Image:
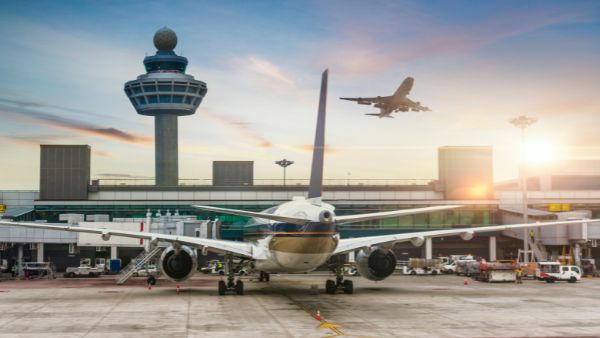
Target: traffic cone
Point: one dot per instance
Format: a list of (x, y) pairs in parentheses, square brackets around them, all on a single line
[(177, 288), (318, 316), (466, 282), (149, 286)]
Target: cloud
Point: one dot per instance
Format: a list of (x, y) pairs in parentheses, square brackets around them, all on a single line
[(264, 68), (79, 127), (241, 128), (309, 148), (37, 140), (34, 104)]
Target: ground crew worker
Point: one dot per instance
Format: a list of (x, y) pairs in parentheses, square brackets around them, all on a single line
[(13, 270), (219, 266), (532, 235), (519, 274)]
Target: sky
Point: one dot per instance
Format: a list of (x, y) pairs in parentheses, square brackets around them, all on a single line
[(476, 64)]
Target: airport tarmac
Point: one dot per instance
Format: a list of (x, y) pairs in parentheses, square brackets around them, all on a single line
[(400, 306)]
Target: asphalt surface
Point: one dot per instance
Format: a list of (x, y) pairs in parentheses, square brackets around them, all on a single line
[(400, 306)]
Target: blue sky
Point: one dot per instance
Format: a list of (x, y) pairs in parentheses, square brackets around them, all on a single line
[(476, 64)]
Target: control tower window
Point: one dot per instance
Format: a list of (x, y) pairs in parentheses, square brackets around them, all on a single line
[(192, 89), (128, 92), (149, 88), (179, 88), (164, 98), (136, 90), (164, 88), (152, 99), (141, 100), (188, 100), (177, 98)]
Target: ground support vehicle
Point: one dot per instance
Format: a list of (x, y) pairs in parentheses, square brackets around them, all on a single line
[(461, 266), (422, 266), (83, 271), (148, 270), (498, 271), (33, 270), (553, 271), (449, 268), (214, 267)]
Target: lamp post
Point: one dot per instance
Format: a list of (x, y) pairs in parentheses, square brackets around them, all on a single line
[(523, 122), (284, 164)]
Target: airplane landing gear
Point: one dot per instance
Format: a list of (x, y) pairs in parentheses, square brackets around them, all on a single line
[(264, 277), (340, 283), (237, 286)]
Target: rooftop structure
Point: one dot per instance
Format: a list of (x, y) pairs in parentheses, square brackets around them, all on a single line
[(165, 92)]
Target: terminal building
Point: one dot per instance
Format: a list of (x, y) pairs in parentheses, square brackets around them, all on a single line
[(465, 177)]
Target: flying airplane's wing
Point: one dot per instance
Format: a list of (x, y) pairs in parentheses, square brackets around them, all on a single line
[(263, 215), (393, 213), (215, 245), (350, 244), (415, 106), (367, 100)]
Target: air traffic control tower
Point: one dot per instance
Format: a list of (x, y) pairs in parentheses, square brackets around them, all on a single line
[(165, 92)]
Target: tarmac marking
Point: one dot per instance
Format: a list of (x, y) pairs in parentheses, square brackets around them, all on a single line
[(324, 323)]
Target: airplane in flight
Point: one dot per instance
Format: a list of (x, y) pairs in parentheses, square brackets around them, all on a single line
[(296, 236), (389, 104)]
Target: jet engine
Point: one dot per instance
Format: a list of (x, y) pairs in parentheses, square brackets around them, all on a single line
[(179, 263), (326, 217), (376, 264)]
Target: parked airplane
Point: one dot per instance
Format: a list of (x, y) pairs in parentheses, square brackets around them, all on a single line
[(296, 236), (389, 104)]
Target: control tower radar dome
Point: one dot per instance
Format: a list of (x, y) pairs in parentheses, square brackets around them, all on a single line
[(165, 39), (165, 92)]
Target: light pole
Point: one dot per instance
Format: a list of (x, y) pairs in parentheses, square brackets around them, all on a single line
[(523, 122), (284, 164)]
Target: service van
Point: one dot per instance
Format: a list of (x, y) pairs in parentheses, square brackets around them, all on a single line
[(553, 271)]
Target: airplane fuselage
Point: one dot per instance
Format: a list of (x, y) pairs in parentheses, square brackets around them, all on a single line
[(287, 247)]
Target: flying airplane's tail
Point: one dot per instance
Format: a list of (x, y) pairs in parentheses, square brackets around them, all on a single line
[(405, 87), (315, 189)]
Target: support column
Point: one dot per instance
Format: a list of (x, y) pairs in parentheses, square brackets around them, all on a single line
[(113, 252), (492, 248), (428, 248), (40, 252), (20, 260), (166, 150)]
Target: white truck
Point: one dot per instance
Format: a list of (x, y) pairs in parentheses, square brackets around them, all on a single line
[(553, 271), (83, 271)]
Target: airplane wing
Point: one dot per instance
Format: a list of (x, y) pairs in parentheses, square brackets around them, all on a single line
[(414, 106), (367, 100), (216, 245), (262, 215), (394, 213), (351, 244)]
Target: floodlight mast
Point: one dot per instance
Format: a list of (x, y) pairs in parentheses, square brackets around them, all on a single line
[(523, 122), (284, 164)]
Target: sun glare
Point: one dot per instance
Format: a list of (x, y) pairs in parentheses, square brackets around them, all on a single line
[(540, 152)]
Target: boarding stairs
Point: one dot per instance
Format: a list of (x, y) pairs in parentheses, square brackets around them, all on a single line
[(137, 263), (539, 250)]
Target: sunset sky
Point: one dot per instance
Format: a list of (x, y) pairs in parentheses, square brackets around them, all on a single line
[(476, 64)]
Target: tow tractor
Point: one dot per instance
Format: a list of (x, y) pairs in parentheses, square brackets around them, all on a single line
[(553, 271)]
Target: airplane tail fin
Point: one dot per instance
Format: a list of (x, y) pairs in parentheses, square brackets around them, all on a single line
[(315, 189)]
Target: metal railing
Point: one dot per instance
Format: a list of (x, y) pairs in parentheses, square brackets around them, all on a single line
[(267, 182)]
